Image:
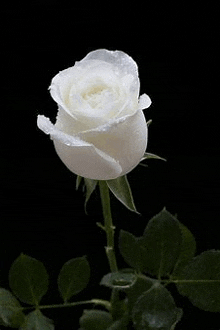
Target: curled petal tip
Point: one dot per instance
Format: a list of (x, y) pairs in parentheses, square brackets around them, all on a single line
[(144, 101)]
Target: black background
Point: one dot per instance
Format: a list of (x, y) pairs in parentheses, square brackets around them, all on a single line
[(175, 48)]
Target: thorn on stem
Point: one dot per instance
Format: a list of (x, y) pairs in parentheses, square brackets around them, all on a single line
[(100, 226)]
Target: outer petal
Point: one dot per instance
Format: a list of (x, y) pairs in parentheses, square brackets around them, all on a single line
[(60, 87), (81, 158), (124, 139), (72, 126), (144, 101)]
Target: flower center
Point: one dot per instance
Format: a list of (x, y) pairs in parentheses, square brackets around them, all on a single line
[(98, 96)]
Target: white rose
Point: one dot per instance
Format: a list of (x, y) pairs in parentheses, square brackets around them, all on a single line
[(100, 131)]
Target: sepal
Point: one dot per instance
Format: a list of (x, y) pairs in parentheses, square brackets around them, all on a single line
[(151, 156), (121, 189), (89, 187)]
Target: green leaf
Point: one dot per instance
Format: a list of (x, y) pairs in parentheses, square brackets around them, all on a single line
[(28, 279), (200, 281), (154, 252), (95, 320), (155, 309), (188, 249), (122, 191), (131, 250), (37, 321), (120, 324), (161, 244), (90, 187), (73, 277), (122, 279), (142, 284), (10, 310)]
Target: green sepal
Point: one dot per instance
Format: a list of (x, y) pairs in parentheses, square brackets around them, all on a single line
[(11, 314), (155, 309), (200, 281), (95, 320), (73, 277), (121, 189), (37, 321), (28, 279), (90, 187), (148, 155), (78, 181)]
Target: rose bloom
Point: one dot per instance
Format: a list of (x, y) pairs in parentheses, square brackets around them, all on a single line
[(100, 131)]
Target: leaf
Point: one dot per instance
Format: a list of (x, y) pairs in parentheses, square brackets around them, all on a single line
[(95, 320), (10, 310), (154, 252), (161, 244), (188, 249), (90, 187), (73, 277), (122, 279), (120, 324), (142, 284), (200, 281), (37, 321), (155, 309), (131, 250), (28, 279), (122, 191)]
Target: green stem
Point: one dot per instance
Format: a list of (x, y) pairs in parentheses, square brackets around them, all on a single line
[(101, 302), (108, 227)]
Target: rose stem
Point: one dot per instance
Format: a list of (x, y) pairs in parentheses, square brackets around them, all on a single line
[(108, 225)]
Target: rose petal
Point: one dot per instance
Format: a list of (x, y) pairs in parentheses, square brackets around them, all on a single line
[(81, 157), (60, 87), (101, 131), (112, 68), (47, 127), (124, 139), (144, 101), (88, 161), (119, 60)]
